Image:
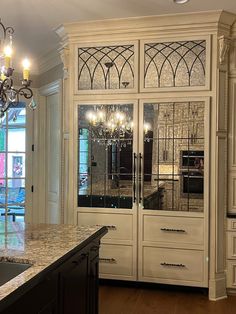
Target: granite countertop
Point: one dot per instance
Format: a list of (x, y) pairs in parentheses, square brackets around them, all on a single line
[(38, 244)]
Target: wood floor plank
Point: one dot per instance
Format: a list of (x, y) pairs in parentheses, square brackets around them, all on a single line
[(132, 300)]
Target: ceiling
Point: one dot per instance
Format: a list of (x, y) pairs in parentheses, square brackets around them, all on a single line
[(34, 21)]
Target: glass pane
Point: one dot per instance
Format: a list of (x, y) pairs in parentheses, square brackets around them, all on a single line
[(16, 191), (16, 140), (2, 138), (17, 116), (110, 67), (16, 165), (174, 156), (2, 165), (2, 193), (175, 64), (105, 148)]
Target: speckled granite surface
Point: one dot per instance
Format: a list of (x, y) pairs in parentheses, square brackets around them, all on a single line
[(39, 245)]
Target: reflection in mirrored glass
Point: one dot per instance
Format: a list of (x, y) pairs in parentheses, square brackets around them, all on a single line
[(173, 170), (105, 146)]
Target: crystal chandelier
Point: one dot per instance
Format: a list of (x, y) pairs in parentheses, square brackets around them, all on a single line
[(9, 95), (110, 125)]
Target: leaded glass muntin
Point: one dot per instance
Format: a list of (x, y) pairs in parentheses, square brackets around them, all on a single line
[(167, 185), (180, 63), (105, 160), (106, 68)]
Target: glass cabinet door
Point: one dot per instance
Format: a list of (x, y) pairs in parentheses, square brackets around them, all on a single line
[(106, 156), (172, 151)]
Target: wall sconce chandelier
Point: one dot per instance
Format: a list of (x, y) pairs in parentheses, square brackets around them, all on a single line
[(9, 95)]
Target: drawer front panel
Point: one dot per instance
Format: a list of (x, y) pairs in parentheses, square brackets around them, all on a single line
[(116, 260), (173, 229), (231, 245), (173, 264), (231, 274), (231, 224), (120, 227)]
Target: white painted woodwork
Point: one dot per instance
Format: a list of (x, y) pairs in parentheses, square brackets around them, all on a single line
[(231, 245), (53, 210), (189, 269), (120, 227), (231, 253), (121, 267), (210, 25), (161, 229), (231, 274)]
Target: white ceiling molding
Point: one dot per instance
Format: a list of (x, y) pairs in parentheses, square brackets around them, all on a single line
[(158, 25)]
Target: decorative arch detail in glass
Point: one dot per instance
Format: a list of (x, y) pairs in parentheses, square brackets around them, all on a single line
[(175, 64), (108, 67)]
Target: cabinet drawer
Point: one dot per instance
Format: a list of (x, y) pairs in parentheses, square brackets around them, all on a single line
[(173, 264), (120, 227), (185, 230), (231, 274), (231, 245), (231, 224), (116, 260)]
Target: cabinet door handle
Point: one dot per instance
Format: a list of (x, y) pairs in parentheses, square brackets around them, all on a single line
[(107, 260), (134, 178), (82, 256), (172, 265), (140, 178), (173, 230)]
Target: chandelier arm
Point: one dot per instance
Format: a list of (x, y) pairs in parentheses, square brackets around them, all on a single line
[(6, 84), (4, 99), (10, 30), (5, 30), (25, 91)]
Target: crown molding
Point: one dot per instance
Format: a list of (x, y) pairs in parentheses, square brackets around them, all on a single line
[(160, 24)]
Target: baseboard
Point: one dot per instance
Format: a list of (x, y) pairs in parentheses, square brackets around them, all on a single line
[(150, 285)]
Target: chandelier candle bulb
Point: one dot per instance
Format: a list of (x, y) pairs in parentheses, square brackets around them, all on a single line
[(10, 95), (26, 67), (7, 55), (2, 76)]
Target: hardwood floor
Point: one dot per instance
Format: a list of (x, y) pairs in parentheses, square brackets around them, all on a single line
[(131, 300)]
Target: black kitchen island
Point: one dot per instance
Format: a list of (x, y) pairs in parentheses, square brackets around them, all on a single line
[(62, 276)]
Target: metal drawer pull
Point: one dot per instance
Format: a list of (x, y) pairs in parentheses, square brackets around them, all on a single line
[(110, 227), (173, 230), (173, 265), (107, 260)]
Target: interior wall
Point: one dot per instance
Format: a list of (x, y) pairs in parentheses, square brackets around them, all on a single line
[(51, 75)]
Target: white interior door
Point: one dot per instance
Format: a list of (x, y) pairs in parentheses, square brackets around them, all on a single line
[(53, 214)]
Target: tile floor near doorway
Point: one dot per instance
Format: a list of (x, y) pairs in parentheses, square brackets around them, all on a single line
[(129, 300)]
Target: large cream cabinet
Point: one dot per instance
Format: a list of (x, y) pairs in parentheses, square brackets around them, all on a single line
[(164, 79)]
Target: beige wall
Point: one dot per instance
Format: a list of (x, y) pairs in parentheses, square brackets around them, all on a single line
[(51, 75)]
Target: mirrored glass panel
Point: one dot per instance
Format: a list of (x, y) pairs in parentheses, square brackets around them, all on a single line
[(173, 169), (175, 64), (105, 156)]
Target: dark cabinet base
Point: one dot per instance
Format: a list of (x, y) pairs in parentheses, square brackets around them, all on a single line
[(69, 288)]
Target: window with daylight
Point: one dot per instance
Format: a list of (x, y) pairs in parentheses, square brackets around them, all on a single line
[(12, 163)]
